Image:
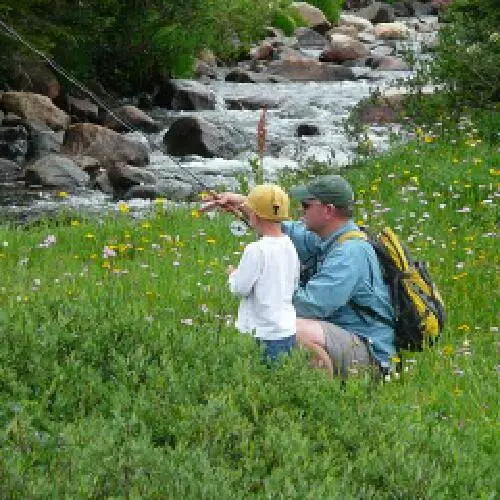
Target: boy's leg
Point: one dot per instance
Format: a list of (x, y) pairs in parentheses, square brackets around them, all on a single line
[(273, 349), (334, 348)]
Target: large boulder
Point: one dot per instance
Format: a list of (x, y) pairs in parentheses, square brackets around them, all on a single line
[(343, 48), (55, 171), (388, 63), (263, 52), (130, 115), (122, 177), (392, 31), (300, 68), (9, 170), (105, 145), (313, 16), (377, 13), (193, 136), (43, 140), (185, 95), (35, 107), (14, 143)]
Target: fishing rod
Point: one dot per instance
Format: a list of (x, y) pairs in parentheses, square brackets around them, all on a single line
[(59, 69)]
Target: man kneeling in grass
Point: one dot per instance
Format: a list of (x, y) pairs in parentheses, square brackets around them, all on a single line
[(340, 278), (268, 274)]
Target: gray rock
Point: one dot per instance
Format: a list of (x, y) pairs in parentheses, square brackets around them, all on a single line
[(185, 95), (14, 143), (55, 171), (377, 13), (43, 140), (176, 190), (82, 110), (122, 177), (307, 129), (9, 170), (193, 136), (102, 183), (308, 37), (145, 191)]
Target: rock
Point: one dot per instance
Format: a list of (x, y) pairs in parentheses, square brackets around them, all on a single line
[(403, 9), (307, 38), (357, 22), (104, 144), (377, 13), (366, 37), (252, 103), (82, 110), (123, 176), (35, 107), (184, 95), (14, 143), (36, 77), (204, 70), (313, 16), (296, 67), (88, 164), (55, 171), (132, 116), (241, 76), (43, 140), (392, 31), (307, 129), (272, 32), (388, 63), (193, 136), (343, 48), (9, 170), (145, 192), (176, 190), (145, 101), (344, 30), (378, 114), (102, 183), (264, 52), (208, 57)]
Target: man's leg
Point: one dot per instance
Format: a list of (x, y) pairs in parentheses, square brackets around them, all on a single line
[(334, 349), (311, 336)]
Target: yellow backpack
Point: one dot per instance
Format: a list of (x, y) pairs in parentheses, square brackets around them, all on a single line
[(418, 306)]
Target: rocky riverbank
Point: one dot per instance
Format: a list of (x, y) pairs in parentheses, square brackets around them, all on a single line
[(197, 134)]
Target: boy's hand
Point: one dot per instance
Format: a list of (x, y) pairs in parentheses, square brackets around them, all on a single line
[(229, 202), (230, 269)]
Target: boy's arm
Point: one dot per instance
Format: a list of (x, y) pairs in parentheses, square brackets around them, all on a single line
[(242, 279)]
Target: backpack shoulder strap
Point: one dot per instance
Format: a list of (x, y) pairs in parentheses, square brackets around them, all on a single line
[(352, 235)]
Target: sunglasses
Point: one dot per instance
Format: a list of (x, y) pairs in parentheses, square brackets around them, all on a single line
[(309, 203)]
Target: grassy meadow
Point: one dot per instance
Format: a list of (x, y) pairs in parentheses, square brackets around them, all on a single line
[(122, 375)]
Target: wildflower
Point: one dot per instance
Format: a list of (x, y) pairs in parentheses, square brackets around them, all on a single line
[(90, 236), (448, 350), (145, 225), (5, 244), (106, 264), (494, 37), (187, 321), (211, 241), (464, 327), (204, 308), (428, 139), (159, 201), (108, 252), (123, 207), (62, 194), (195, 214), (75, 223), (176, 263), (395, 359)]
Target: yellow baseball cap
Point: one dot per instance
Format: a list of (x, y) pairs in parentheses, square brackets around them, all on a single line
[(269, 202)]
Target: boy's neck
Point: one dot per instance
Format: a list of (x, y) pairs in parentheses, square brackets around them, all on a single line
[(270, 228)]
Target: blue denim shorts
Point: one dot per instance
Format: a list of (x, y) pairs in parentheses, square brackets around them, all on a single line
[(273, 349)]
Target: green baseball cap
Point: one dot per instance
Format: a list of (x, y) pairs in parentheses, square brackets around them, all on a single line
[(332, 189)]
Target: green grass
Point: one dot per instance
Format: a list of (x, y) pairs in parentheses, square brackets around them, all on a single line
[(123, 377)]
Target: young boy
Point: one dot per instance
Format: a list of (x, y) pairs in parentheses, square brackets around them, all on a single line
[(268, 274)]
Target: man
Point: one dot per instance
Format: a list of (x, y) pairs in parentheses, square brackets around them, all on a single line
[(342, 280)]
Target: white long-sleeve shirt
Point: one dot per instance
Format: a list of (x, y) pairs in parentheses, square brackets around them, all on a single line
[(266, 279)]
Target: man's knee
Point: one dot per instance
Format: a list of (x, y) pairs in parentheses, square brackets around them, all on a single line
[(309, 331)]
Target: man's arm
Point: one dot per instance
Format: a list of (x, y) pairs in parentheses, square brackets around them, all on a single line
[(330, 288), (306, 242)]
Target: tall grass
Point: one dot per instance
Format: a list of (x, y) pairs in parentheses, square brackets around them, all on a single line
[(121, 373)]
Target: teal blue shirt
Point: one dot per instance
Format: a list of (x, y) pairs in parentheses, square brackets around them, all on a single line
[(344, 272)]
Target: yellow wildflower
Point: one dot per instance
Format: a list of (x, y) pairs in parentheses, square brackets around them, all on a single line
[(494, 172), (428, 139), (62, 194), (448, 350), (106, 264), (145, 225), (90, 236), (75, 222), (195, 214), (123, 207), (463, 327)]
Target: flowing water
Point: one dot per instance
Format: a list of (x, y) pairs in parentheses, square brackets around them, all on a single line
[(323, 104)]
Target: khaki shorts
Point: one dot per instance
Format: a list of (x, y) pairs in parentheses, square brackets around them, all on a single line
[(348, 352)]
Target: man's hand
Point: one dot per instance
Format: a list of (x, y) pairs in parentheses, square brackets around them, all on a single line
[(229, 202)]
